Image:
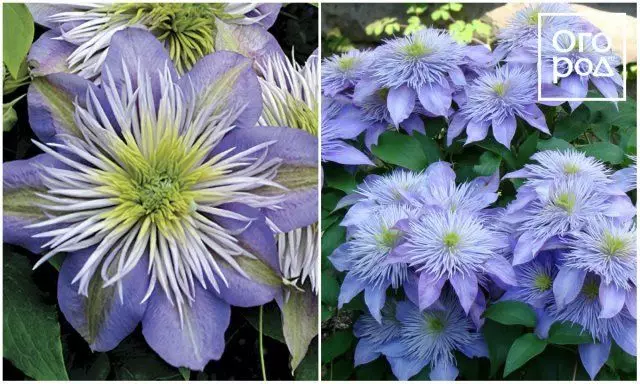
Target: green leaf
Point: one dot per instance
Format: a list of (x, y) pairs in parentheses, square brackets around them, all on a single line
[(98, 369), (308, 368), (510, 313), (568, 333), (30, 325), (620, 360), (523, 349), (185, 373), (553, 143), (573, 125), (340, 178), (336, 345), (527, 148), (17, 29), (271, 320), (330, 289), (455, 7), (501, 337), (134, 360), (607, 152), (373, 371), (399, 149), (9, 116), (325, 313), (489, 164), (430, 148), (299, 323), (331, 238)]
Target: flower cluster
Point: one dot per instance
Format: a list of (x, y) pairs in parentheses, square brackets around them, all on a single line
[(427, 74), (565, 246), (179, 178)]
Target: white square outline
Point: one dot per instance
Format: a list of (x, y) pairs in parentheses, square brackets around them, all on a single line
[(624, 60)]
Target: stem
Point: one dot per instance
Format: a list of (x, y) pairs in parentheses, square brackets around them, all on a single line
[(264, 371), (575, 370)]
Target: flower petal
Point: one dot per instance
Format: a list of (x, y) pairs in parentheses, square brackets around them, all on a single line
[(435, 98), (543, 323), (457, 123), (49, 55), (500, 269), (365, 352), (593, 356), (631, 302), (466, 287), (194, 341), (400, 103), (351, 287), (20, 183), (343, 153), (477, 130), (625, 337), (413, 123), (429, 288), (102, 318), (374, 297), (227, 80), (606, 86), (504, 129), (611, 300), (443, 371), (534, 116), (42, 12), (404, 368), (298, 171), (567, 285), (252, 41)]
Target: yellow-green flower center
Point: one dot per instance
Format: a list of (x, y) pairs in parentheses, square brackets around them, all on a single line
[(612, 245), (346, 63), (591, 289), (416, 49), (434, 324), (571, 169), (542, 282), (451, 239), (388, 237), (499, 89), (566, 201)]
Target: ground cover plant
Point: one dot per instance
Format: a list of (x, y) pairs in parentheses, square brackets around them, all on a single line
[(160, 179), (470, 231)]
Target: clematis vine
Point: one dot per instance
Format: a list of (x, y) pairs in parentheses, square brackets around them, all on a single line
[(161, 189)]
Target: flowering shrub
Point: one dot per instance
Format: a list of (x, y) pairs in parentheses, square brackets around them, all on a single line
[(173, 178), (469, 230)]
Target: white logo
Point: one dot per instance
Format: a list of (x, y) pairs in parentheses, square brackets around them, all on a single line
[(583, 66)]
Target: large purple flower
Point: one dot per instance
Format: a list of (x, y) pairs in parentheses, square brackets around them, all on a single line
[(342, 122), (157, 187), (340, 73), (494, 100)]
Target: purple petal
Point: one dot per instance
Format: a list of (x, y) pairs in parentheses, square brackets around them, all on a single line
[(625, 337), (477, 310), (194, 341), (357, 213), (226, 78), (435, 98), (400, 103), (343, 153), (466, 287), (21, 180), (351, 287), (625, 179), (252, 41), (349, 123), (443, 371), (456, 75), (371, 135), (631, 302), (606, 86), (365, 353), (102, 318), (567, 285), (51, 108), (620, 206), (593, 356), (500, 269), (477, 130), (404, 368), (440, 173), (611, 300), (363, 90), (397, 255), (504, 129), (456, 126), (411, 288), (555, 92), (521, 55), (477, 348), (374, 297), (41, 13), (413, 124), (429, 288), (574, 86), (298, 170), (526, 248), (271, 10), (137, 48), (340, 257), (48, 55), (534, 116), (257, 239), (395, 348), (543, 323)]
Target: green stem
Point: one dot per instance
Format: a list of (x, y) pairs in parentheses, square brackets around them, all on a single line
[(264, 371)]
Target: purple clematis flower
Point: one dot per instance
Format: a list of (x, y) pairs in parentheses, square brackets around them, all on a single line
[(586, 310), (374, 337), (342, 122), (340, 73), (535, 281), (158, 187), (495, 99), (81, 35), (430, 337)]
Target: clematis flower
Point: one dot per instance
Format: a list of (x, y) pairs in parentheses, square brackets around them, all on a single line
[(607, 249), (341, 122), (80, 36), (625, 179), (374, 337), (585, 310), (430, 337), (340, 73), (495, 99), (535, 281), (363, 258), (159, 187)]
